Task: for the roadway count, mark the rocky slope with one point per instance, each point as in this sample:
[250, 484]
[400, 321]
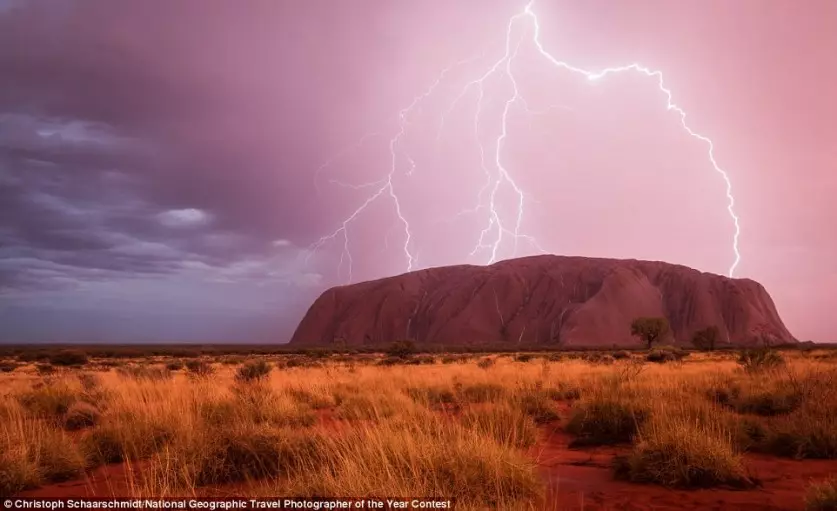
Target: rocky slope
[562, 301]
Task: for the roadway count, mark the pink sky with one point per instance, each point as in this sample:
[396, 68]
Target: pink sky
[613, 174]
[158, 159]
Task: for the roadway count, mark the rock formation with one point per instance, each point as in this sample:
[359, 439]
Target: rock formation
[552, 300]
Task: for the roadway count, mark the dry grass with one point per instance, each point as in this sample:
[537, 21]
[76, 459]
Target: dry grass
[822, 496]
[455, 428]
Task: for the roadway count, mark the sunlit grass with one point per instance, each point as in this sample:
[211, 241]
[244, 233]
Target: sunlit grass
[456, 429]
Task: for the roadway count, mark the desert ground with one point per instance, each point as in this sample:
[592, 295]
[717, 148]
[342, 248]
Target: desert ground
[542, 431]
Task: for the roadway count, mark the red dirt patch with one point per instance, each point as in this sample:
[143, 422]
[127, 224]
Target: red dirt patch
[582, 479]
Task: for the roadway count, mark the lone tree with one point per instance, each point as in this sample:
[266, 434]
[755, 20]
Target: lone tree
[706, 338]
[650, 330]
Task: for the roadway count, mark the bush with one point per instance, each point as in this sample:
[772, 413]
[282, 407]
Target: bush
[240, 454]
[683, 457]
[822, 496]
[760, 359]
[605, 422]
[422, 360]
[765, 404]
[401, 349]
[485, 363]
[253, 371]
[390, 361]
[537, 405]
[524, 357]
[200, 367]
[661, 356]
[81, 415]
[665, 354]
[44, 369]
[620, 355]
[174, 365]
[7, 367]
[68, 358]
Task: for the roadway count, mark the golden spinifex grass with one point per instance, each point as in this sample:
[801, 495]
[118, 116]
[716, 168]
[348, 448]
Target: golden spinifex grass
[463, 429]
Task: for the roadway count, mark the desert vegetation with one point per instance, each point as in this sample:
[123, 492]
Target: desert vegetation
[481, 428]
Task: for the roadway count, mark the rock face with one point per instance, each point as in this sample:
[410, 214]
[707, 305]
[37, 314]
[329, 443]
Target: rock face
[554, 300]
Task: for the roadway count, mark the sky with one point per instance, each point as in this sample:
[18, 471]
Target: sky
[183, 171]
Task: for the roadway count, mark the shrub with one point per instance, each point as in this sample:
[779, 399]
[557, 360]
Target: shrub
[253, 371]
[68, 358]
[44, 369]
[401, 349]
[604, 422]
[81, 415]
[537, 405]
[767, 404]
[524, 357]
[49, 402]
[200, 367]
[390, 361]
[760, 359]
[174, 365]
[620, 355]
[241, 453]
[684, 457]
[661, 356]
[7, 367]
[422, 360]
[58, 458]
[822, 496]
[485, 362]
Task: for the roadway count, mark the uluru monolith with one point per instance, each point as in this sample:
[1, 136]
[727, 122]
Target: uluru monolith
[542, 300]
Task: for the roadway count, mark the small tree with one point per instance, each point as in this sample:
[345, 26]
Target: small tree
[706, 338]
[650, 330]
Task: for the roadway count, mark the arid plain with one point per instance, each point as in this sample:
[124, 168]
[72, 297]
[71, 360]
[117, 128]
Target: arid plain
[591, 430]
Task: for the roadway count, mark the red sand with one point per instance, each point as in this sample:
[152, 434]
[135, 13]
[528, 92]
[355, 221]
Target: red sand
[583, 480]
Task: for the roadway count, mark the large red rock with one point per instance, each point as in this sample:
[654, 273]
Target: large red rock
[562, 301]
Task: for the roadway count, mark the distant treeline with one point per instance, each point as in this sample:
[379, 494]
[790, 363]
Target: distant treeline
[36, 352]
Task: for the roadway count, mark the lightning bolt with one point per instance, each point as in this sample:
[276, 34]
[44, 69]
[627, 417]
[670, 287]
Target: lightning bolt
[496, 229]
